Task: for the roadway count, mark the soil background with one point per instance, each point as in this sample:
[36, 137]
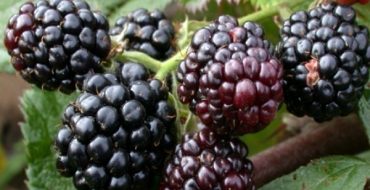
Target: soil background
[11, 88]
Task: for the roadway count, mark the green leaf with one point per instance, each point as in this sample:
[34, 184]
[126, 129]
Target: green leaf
[330, 173]
[42, 111]
[362, 13]
[364, 111]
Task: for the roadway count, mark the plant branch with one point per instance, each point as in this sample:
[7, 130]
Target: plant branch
[341, 136]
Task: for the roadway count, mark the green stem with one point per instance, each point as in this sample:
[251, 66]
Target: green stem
[170, 64]
[141, 58]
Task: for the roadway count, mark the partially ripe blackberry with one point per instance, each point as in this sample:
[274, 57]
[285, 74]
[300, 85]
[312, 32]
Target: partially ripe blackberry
[149, 32]
[325, 54]
[229, 78]
[206, 161]
[118, 133]
[56, 44]
[350, 2]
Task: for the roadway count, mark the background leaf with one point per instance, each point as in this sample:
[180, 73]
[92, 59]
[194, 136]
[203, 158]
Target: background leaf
[364, 111]
[262, 4]
[267, 137]
[362, 12]
[12, 164]
[331, 173]
[42, 111]
[107, 7]
[194, 5]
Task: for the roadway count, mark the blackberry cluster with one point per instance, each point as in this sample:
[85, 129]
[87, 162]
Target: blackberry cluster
[55, 44]
[230, 78]
[325, 54]
[149, 32]
[118, 132]
[207, 161]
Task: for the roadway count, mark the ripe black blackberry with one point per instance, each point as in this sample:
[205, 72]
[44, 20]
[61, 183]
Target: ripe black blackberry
[325, 55]
[118, 132]
[206, 161]
[230, 78]
[149, 32]
[56, 44]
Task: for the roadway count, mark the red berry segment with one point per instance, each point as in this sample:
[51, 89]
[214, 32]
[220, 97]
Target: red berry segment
[118, 132]
[245, 94]
[54, 46]
[228, 72]
[211, 162]
[326, 67]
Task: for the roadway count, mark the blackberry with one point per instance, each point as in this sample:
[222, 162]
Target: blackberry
[118, 132]
[56, 44]
[230, 78]
[207, 161]
[149, 32]
[325, 55]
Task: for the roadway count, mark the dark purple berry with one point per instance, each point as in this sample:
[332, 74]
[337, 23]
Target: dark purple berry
[322, 66]
[119, 131]
[46, 39]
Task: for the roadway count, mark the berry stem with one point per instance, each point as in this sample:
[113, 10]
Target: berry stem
[340, 136]
[142, 58]
[170, 64]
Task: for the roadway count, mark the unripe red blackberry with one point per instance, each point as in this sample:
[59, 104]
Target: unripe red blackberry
[229, 77]
[325, 54]
[118, 133]
[205, 161]
[350, 2]
[56, 44]
[149, 32]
